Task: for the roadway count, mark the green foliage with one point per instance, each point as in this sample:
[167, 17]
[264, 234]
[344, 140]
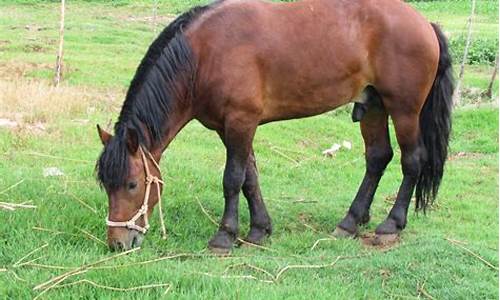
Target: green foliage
[482, 50]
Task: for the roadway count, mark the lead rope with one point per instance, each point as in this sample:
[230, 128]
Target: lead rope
[149, 180]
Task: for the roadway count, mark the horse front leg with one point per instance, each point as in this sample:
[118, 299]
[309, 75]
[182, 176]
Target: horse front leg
[260, 222]
[238, 136]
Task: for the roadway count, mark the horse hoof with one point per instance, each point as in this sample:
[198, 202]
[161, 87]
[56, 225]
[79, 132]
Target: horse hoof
[257, 236]
[385, 239]
[220, 251]
[222, 242]
[342, 233]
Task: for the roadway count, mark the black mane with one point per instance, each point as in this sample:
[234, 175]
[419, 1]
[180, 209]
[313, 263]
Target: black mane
[152, 95]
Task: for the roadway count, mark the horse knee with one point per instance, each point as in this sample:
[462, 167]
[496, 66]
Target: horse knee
[412, 161]
[377, 159]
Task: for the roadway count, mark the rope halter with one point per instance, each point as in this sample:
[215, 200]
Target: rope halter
[143, 211]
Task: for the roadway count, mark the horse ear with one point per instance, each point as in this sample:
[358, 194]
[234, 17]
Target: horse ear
[105, 136]
[132, 140]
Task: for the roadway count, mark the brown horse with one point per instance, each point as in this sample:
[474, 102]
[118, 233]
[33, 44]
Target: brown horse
[235, 65]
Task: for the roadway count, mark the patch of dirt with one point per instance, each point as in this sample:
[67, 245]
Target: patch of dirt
[465, 155]
[34, 48]
[148, 19]
[383, 243]
[15, 70]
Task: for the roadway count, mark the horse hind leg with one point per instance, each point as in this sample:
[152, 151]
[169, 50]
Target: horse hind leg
[413, 158]
[378, 154]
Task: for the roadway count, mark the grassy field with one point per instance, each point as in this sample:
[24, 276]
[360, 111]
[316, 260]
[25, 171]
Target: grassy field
[452, 253]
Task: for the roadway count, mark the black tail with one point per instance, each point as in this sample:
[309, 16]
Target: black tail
[435, 126]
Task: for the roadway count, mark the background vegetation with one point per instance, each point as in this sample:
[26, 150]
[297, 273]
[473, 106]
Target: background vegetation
[452, 253]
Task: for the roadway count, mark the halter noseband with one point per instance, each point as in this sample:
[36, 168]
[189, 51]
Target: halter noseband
[143, 211]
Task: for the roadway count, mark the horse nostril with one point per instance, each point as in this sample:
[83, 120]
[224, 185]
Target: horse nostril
[117, 246]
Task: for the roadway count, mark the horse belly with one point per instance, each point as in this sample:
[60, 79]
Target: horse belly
[290, 100]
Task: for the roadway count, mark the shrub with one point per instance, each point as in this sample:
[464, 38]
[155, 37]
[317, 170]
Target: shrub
[482, 50]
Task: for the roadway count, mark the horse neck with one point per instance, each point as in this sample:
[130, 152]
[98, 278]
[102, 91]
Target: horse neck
[176, 121]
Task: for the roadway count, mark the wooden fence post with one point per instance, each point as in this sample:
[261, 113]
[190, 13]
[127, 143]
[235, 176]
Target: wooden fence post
[489, 91]
[155, 14]
[458, 92]
[59, 61]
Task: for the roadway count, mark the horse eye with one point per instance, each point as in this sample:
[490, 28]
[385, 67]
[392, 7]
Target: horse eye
[132, 185]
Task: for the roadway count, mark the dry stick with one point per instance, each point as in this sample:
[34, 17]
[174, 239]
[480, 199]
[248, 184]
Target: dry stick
[458, 93]
[44, 266]
[251, 267]
[239, 240]
[148, 261]
[57, 157]
[12, 186]
[29, 262]
[57, 282]
[155, 13]
[421, 290]
[304, 201]
[79, 269]
[233, 277]
[124, 265]
[287, 268]
[473, 254]
[57, 77]
[321, 240]
[29, 254]
[93, 237]
[489, 91]
[13, 206]
[3, 270]
[83, 203]
[56, 232]
[285, 156]
[112, 288]
[17, 276]
[6, 207]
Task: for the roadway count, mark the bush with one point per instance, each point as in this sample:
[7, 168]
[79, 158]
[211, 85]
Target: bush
[481, 51]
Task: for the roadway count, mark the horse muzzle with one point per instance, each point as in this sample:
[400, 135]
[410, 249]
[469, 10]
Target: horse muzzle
[123, 239]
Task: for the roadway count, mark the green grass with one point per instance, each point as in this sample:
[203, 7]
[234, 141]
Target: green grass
[105, 41]
[104, 45]
[467, 210]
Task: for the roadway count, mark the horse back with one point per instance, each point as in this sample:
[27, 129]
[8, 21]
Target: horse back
[289, 60]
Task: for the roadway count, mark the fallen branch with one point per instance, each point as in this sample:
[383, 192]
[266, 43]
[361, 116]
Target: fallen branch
[285, 156]
[14, 206]
[421, 290]
[45, 266]
[17, 276]
[267, 273]
[63, 276]
[56, 282]
[82, 203]
[57, 157]
[19, 261]
[117, 289]
[92, 237]
[12, 186]
[473, 254]
[56, 232]
[321, 240]
[234, 277]
[290, 267]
